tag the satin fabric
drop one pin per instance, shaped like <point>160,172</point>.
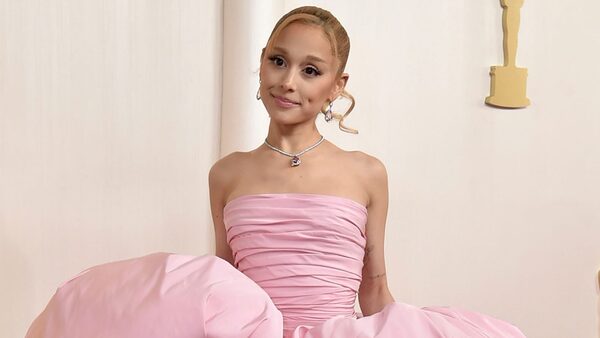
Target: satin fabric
<point>305,251</point>
<point>159,296</point>
<point>300,260</point>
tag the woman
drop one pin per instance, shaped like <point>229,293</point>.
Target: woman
<point>302,219</point>
<point>302,74</point>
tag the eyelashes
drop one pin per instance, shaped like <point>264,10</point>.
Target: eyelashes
<point>277,60</point>
<point>314,71</point>
<point>310,71</point>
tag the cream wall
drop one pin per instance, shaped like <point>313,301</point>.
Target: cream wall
<point>109,122</point>
<point>110,117</point>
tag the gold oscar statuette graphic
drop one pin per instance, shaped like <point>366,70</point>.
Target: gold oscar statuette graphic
<point>509,83</point>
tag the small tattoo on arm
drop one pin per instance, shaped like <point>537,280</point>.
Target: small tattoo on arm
<point>377,276</point>
<point>367,252</point>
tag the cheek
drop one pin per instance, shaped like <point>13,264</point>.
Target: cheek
<point>270,79</point>
<point>265,74</point>
<point>317,93</point>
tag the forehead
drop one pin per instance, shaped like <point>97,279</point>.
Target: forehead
<point>303,40</point>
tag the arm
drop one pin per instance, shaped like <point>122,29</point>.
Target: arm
<point>217,179</point>
<point>373,294</point>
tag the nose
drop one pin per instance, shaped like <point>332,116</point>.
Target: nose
<point>288,83</point>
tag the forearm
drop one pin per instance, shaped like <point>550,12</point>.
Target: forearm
<point>374,298</point>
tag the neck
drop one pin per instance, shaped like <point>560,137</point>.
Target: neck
<point>294,140</point>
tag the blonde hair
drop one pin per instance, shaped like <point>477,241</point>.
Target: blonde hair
<point>340,45</point>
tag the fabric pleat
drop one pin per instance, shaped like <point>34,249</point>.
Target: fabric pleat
<point>306,251</point>
<point>157,296</point>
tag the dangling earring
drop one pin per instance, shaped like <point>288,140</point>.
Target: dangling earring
<point>258,91</point>
<point>328,113</point>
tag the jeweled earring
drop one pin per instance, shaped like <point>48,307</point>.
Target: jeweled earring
<point>258,93</point>
<point>328,113</point>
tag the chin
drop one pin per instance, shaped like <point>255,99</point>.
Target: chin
<point>283,119</point>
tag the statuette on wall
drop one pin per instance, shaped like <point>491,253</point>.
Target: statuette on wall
<point>509,82</point>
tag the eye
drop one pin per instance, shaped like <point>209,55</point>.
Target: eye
<point>277,61</point>
<point>312,71</point>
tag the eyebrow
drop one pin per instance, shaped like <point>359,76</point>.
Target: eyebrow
<point>310,57</point>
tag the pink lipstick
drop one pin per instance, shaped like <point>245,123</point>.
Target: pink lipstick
<point>284,103</point>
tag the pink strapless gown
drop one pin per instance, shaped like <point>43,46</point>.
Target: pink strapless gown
<point>299,260</point>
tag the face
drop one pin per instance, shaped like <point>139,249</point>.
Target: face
<point>299,74</point>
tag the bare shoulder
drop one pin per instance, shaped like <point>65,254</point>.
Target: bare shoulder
<point>367,165</point>
<point>372,173</point>
<point>223,173</point>
<point>223,166</point>
<point>227,163</point>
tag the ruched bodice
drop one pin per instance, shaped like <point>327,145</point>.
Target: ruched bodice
<point>305,250</point>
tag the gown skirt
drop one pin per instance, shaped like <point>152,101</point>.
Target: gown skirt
<point>298,263</point>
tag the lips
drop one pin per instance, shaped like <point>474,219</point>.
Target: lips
<point>284,103</point>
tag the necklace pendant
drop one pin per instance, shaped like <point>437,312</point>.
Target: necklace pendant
<point>296,161</point>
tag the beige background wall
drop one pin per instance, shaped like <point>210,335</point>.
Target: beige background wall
<point>110,117</point>
<point>109,121</point>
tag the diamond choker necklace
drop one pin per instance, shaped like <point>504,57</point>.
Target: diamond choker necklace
<point>295,157</point>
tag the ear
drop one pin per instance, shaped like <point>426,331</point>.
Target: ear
<point>339,86</point>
